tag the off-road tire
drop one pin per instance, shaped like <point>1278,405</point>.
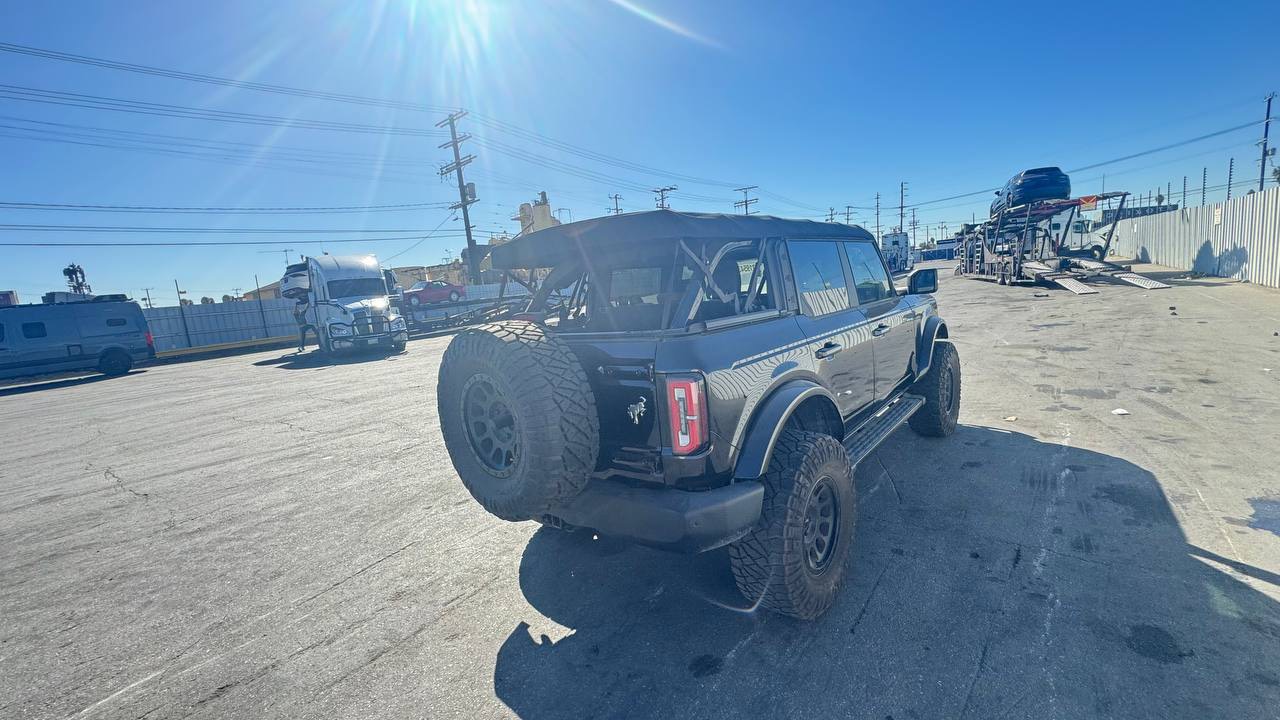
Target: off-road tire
<point>115,363</point>
<point>553,413</point>
<point>769,564</point>
<point>939,415</point>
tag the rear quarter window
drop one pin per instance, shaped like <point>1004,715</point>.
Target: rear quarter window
<point>33,330</point>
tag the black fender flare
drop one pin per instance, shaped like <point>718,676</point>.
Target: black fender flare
<point>932,329</point>
<point>769,419</point>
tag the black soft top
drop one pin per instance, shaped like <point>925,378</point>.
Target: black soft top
<point>553,246</point>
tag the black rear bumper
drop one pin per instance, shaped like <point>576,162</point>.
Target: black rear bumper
<point>666,518</point>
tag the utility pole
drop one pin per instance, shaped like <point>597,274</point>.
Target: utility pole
<point>262,311</point>
<point>147,291</point>
<point>1231,168</point>
<point>831,214</point>
<point>466,192</point>
<point>662,195</point>
<point>1184,192</point>
<point>1266,127</point>
<point>746,202</point>
<point>914,225</point>
<point>848,214</point>
<point>615,198</point>
<point>877,217</point>
<point>1204,180</point>
<point>902,198</point>
<point>182,312</point>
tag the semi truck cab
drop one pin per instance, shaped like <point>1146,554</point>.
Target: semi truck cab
<point>347,302</point>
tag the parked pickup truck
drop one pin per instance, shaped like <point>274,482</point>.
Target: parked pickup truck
<point>690,381</point>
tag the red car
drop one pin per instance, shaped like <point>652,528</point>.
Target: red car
<point>434,291</point>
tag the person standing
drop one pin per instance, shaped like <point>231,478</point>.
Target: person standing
<point>300,317</point>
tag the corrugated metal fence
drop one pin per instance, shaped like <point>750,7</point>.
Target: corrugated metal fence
<point>1238,239</point>
<point>217,323</point>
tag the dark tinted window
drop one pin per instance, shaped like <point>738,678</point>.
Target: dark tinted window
<point>819,277</point>
<point>870,280</point>
<point>116,322</point>
<point>357,287</point>
<point>33,330</point>
<point>1,333</point>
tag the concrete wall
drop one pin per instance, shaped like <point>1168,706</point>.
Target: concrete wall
<point>1238,239</point>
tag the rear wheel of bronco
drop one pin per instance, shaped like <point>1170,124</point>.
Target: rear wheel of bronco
<point>518,418</point>
<point>115,362</point>
<point>940,388</point>
<point>794,560</point>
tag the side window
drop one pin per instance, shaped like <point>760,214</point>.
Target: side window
<point>1,333</point>
<point>870,280</point>
<point>741,285</point>
<point>635,286</point>
<point>819,277</point>
<point>115,322</point>
<point>33,330</point>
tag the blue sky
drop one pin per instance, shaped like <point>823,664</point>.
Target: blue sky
<point>819,104</point>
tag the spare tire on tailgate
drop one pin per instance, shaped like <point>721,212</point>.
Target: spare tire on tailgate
<point>518,418</point>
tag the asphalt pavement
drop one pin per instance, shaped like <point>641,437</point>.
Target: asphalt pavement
<point>271,535</point>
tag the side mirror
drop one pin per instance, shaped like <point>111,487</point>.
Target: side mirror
<point>997,192</point>
<point>922,282</point>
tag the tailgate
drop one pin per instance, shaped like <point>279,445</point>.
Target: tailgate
<point>620,371</point>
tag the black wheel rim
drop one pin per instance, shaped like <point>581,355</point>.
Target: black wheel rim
<point>821,526</point>
<point>946,389</point>
<point>491,426</point>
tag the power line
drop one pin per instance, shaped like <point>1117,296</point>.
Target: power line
<point>424,238</point>
<point>162,210</point>
<point>99,102</point>
<point>191,230</point>
<point>218,243</point>
<point>492,123</point>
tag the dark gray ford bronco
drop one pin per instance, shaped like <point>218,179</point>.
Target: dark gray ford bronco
<point>690,381</point>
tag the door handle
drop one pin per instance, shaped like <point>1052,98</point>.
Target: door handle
<point>880,329</point>
<point>828,350</point>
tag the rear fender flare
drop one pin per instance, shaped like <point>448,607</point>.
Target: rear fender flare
<point>772,416</point>
<point>932,329</point>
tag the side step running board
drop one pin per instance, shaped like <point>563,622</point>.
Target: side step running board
<point>867,438</point>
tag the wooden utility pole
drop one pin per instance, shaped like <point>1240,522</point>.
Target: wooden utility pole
<point>466,192</point>
<point>662,195</point>
<point>1266,127</point>
<point>746,202</point>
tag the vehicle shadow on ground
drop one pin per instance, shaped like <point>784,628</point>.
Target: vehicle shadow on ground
<point>55,383</point>
<point>316,359</point>
<point>994,574</point>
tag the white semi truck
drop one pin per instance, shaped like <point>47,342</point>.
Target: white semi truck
<point>346,302</point>
<point>896,248</point>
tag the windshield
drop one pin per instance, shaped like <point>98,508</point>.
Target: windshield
<point>357,287</point>
<point>419,285</point>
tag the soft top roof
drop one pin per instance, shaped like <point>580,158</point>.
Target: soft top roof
<point>550,247</point>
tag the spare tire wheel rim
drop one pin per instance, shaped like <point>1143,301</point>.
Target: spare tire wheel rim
<point>821,526</point>
<point>490,425</point>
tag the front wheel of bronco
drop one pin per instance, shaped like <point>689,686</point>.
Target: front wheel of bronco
<point>940,388</point>
<point>794,560</point>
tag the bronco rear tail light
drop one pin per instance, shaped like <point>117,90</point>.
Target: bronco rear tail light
<point>686,413</point>
<point>150,340</point>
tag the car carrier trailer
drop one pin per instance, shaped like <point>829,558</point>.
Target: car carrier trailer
<point>1018,246</point>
